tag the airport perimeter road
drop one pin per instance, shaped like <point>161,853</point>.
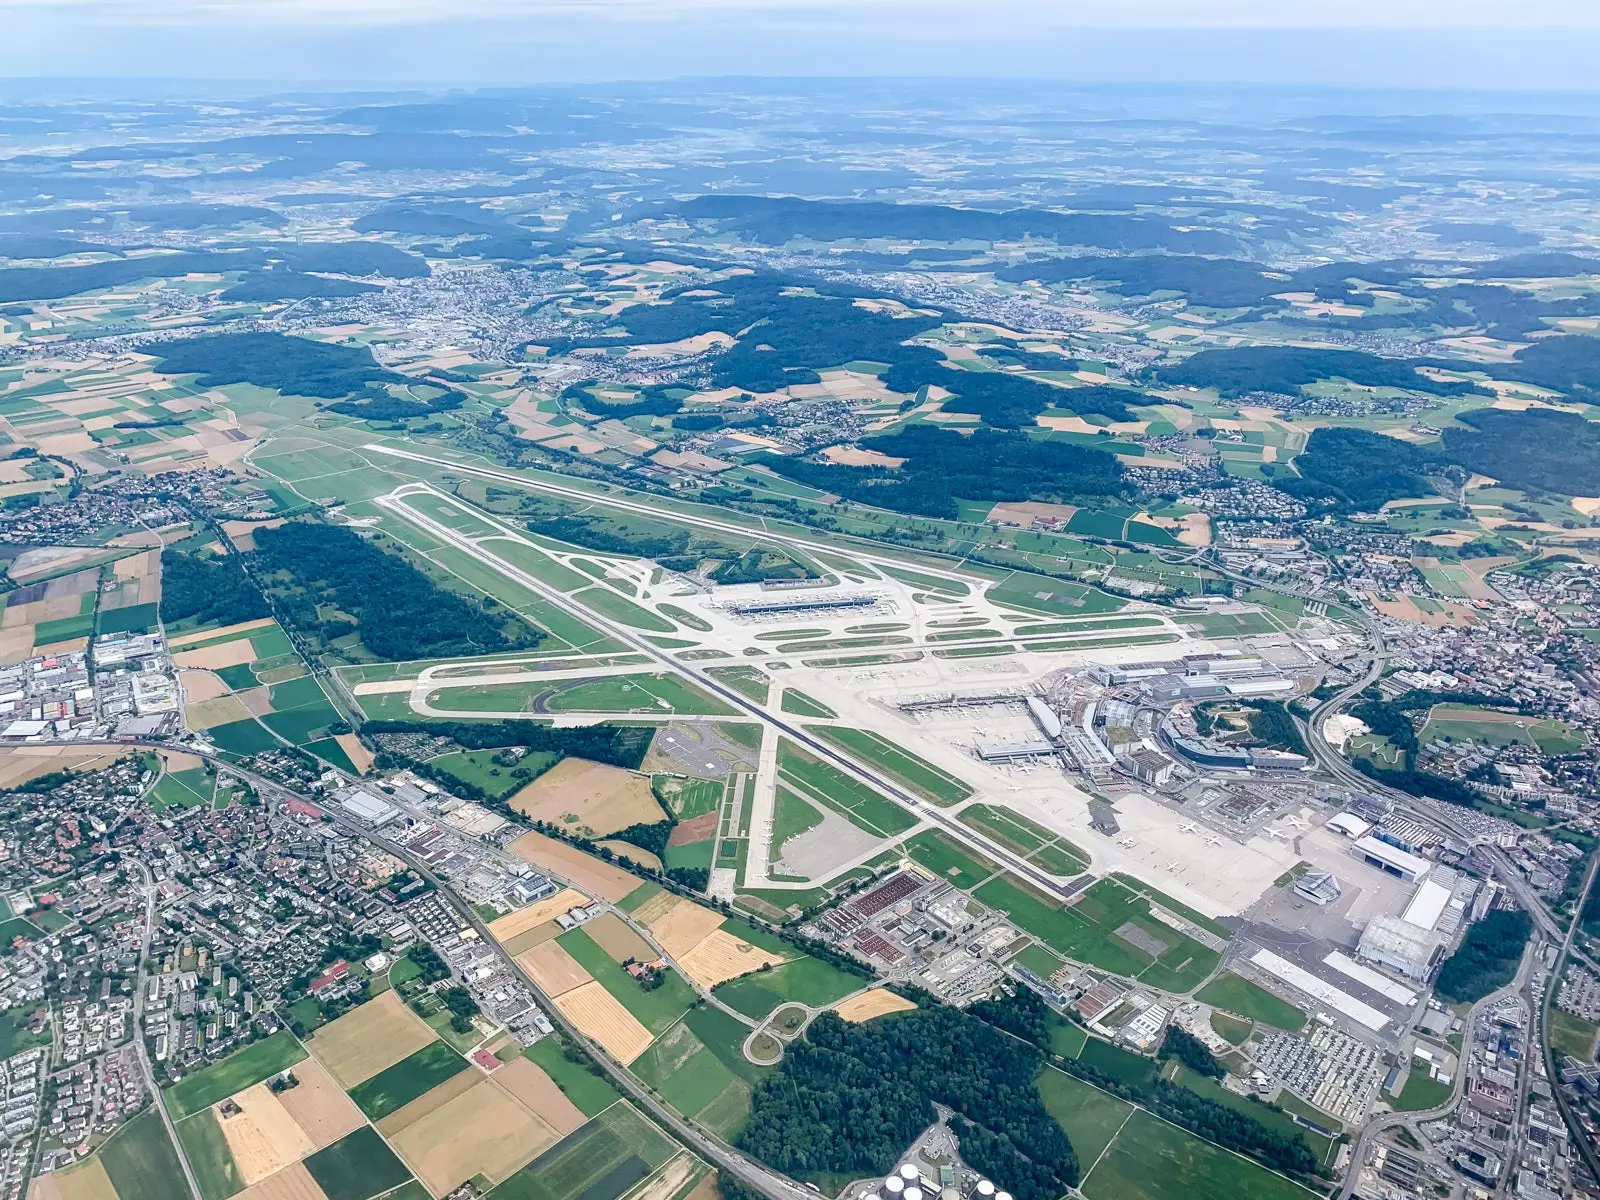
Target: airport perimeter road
<point>635,641</point>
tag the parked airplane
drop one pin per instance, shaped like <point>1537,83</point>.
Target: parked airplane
<point>1172,866</point>
<point>1189,828</point>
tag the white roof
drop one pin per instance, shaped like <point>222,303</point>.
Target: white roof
<point>1350,825</point>
<point>1393,855</point>
<point>1427,906</point>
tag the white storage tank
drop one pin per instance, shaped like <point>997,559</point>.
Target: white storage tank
<point>985,1189</point>
<point>893,1187</point>
<point>909,1173</point>
<point>913,1193</point>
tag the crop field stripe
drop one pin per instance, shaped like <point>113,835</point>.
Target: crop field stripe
<point>237,1071</point>
<point>394,1087</point>
<point>140,1159</point>
<point>207,1151</point>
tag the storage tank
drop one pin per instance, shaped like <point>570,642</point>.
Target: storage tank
<point>949,1193</point>
<point>985,1189</point>
<point>909,1173</point>
<point>893,1187</point>
<point>913,1193</point>
<point>1002,1196</point>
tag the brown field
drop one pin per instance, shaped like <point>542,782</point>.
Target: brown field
<point>319,1105</point>
<point>221,711</point>
<point>720,957</point>
<point>628,850</point>
<point>514,923</point>
<point>431,1101</point>
<point>257,701</point>
<point>1404,608</point>
<point>243,533</point>
<point>214,658</point>
<point>82,1181</point>
<point>263,1138</point>
<point>553,969</point>
<point>205,635</point>
<point>483,1131</point>
<point>50,559</point>
<point>706,1189</point>
<point>539,1093</point>
<point>614,937</point>
<point>1026,513</point>
<point>17,766</point>
<point>570,863</point>
<point>16,644</point>
<point>855,456</point>
<point>588,797</point>
<point>364,1041</point>
<point>176,760</point>
<point>138,566</point>
<point>678,924</point>
<point>291,1183</point>
<point>601,1017</point>
<point>695,829</point>
<point>667,1182</point>
<point>201,685</point>
<point>537,936</point>
<point>360,756</point>
<point>877,1002</point>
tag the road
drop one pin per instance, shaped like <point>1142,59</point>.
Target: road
<point>139,990</point>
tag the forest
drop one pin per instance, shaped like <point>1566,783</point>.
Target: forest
<point>53,283</point>
<point>1286,369</point>
<point>398,611</point>
<point>1210,282</point>
<point>211,588</point>
<point>1486,959</point>
<point>942,465</point>
<point>266,287</point>
<point>293,365</point>
<point>1540,449</point>
<point>1002,399</point>
<point>1348,469</point>
<point>848,1099</point>
<point>617,745</point>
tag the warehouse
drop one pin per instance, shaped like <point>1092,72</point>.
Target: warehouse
<point>1389,858</point>
<point>1399,946</point>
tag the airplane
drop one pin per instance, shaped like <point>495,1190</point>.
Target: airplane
<point>1213,841</point>
<point>1279,834</point>
<point>1128,843</point>
<point>1015,787</point>
<point>1189,828</point>
<point>1172,867</point>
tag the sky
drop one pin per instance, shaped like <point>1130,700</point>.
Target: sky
<point>1538,45</point>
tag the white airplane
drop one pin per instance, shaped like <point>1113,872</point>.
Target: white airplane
<point>1015,787</point>
<point>1213,841</point>
<point>1128,843</point>
<point>1172,867</point>
<point>1279,834</point>
<point>1189,828</point>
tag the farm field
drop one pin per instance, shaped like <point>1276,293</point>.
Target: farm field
<point>601,1161</point>
<point>140,1159</point>
<point>357,1167</point>
<point>808,981</point>
<point>398,1085</point>
<point>1151,1160</point>
<point>589,1090</point>
<point>234,1073</point>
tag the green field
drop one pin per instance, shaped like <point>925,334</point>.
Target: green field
<point>638,694</point>
<point>656,1009</point>
<point>356,1167</point>
<point>792,816</point>
<point>395,1087</point>
<point>747,681</point>
<point>802,705</point>
<point>1422,1091</point>
<point>1572,1035</point>
<point>936,851</point>
<point>1151,1160</point>
<point>1243,998</point>
<point>1026,837</point>
<point>1088,931</point>
<point>258,1061</point>
<point>600,1161</point>
<point>691,1078</point>
<point>1090,1117</point>
<point>135,618</point>
<point>247,736</point>
<point>808,980</point>
<point>586,1087</point>
<point>688,798</point>
<point>904,767</point>
<point>1230,1029</point>
<point>859,803</point>
<point>140,1158</point>
<point>207,1152</point>
<point>183,789</point>
<point>619,608</point>
<point>478,768</point>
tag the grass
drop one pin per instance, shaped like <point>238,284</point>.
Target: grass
<point>584,1085</point>
<point>247,736</point>
<point>15,1036</point>
<point>1421,1091</point>
<point>395,1087</point>
<point>183,789</point>
<point>1230,1029</point>
<point>807,980</point>
<point>1090,1117</point>
<point>859,803</point>
<point>688,798</point>
<point>1088,931</point>
<point>257,1061</point>
<point>802,705</point>
<point>602,1160</point>
<point>207,1151</point>
<point>791,817</point>
<point>1243,998</point>
<point>936,851</point>
<point>140,1158</point>
<point>657,1009</point>
<point>356,1167</point>
<point>747,681</point>
<point>904,767</point>
<point>477,767</point>
<point>619,608</point>
<point>1151,1160</point>
<point>638,693</point>
<point>686,1073</point>
<point>1573,1035</point>
<point>1022,836</point>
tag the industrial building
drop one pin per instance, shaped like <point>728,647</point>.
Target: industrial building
<point>1319,887</point>
<point>1399,946</point>
<point>1395,861</point>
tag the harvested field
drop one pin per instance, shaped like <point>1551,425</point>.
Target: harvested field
<point>668,1181</point>
<point>138,566</point>
<point>176,760</point>
<point>570,863</point>
<point>243,533</point>
<point>720,957</point>
<point>369,1039</point>
<point>588,798</point>
<point>292,1183</point>
<point>262,1137</point>
<point>678,924</point>
<point>211,635</point>
<point>1025,513</point>
<point>360,756</point>
<point>431,1101</point>
<point>697,829</point>
<point>616,939</point>
<point>628,850</point>
<point>257,701</point>
<point>601,1017</point>
<point>481,1131</point>
<point>319,1105</point>
<point>222,711</point>
<point>82,1181</point>
<point>524,1080</point>
<point>537,936</point>
<point>878,1002</point>
<point>706,1189</point>
<point>201,685</point>
<point>16,644</point>
<point>17,766</point>
<point>553,969</point>
<point>213,658</point>
<point>537,913</point>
